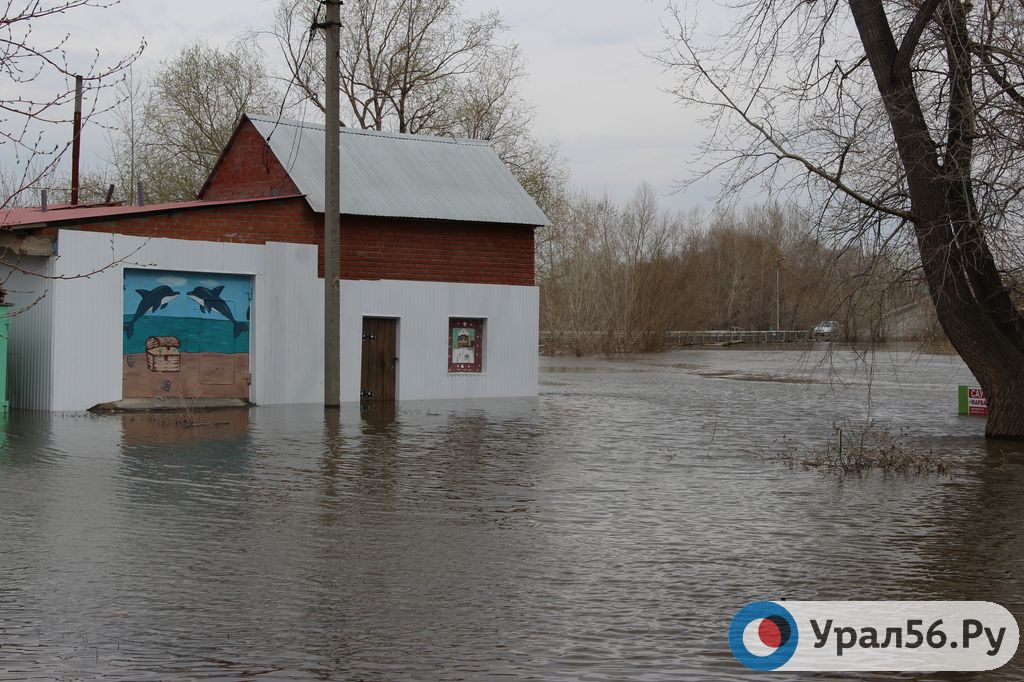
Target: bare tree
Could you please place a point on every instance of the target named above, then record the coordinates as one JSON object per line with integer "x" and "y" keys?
{"x": 37, "y": 89}
{"x": 420, "y": 66}
{"x": 402, "y": 61}
{"x": 572, "y": 274}
{"x": 616, "y": 277}
{"x": 125, "y": 139}
{"x": 605, "y": 273}
{"x": 899, "y": 119}
{"x": 171, "y": 134}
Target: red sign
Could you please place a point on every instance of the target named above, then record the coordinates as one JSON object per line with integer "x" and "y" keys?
{"x": 976, "y": 403}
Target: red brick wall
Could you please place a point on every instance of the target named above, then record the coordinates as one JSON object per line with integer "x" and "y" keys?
{"x": 372, "y": 248}
{"x": 249, "y": 169}
{"x": 436, "y": 251}
{"x": 287, "y": 220}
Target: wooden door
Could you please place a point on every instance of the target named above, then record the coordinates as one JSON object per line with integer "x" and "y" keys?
{"x": 380, "y": 360}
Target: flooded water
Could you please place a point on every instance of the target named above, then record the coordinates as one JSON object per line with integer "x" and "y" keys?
{"x": 607, "y": 530}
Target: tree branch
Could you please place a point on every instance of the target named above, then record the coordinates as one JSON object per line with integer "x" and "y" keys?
{"x": 901, "y": 64}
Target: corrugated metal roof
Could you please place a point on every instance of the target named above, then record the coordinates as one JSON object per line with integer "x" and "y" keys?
{"x": 34, "y": 216}
{"x": 403, "y": 176}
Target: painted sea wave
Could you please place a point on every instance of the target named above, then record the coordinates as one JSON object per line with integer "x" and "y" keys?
{"x": 196, "y": 335}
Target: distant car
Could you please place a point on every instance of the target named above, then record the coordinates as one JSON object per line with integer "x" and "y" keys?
{"x": 827, "y": 329}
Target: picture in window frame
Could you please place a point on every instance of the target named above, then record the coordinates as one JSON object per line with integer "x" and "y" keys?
{"x": 465, "y": 345}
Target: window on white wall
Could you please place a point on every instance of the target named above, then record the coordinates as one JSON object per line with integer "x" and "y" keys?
{"x": 466, "y": 345}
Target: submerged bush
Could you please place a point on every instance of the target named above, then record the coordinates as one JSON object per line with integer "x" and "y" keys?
{"x": 859, "y": 448}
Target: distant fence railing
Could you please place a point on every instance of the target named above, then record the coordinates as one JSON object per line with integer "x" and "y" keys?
{"x": 705, "y": 338}
{"x": 617, "y": 342}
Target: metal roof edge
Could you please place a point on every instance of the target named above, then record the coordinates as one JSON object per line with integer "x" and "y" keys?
{"x": 44, "y": 218}
{"x": 438, "y": 220}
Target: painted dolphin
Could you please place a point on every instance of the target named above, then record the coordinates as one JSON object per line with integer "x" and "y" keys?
{"x": 152, "y": 301}
{"x": 209, "y": 299}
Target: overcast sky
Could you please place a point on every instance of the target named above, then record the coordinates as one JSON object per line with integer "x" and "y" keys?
{"x": 596, "y": 95}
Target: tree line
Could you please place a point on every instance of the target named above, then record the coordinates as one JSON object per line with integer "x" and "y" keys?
{"x": 617, "y": 276}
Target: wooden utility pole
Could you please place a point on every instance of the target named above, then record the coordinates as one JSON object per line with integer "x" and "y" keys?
{"x": 332, "y": 210}
{"x": 76, "y": 140}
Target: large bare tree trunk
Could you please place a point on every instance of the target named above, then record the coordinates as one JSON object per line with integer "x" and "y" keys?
{"x": 972, "y": 303}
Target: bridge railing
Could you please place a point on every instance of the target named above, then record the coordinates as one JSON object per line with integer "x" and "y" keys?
{"x": 727, "y": 336}
{"x": 591, "y": 342}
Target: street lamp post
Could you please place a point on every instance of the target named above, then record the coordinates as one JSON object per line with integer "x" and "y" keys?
{"x": 777, "y": 295}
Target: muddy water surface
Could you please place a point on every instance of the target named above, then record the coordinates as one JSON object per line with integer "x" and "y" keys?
{"x": 606, "y": 530}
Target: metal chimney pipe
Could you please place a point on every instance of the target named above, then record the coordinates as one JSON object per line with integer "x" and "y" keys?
{"x": 76, "y": 141}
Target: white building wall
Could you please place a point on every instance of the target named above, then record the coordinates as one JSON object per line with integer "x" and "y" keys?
{"x": 87, "y": 318}
{"x": 288, "y": 322}
{"x": 89, "y": 311}
{"x": 30, "y": 348}
{"x": 423, "y": 308}
{"x": 68, "y": 348}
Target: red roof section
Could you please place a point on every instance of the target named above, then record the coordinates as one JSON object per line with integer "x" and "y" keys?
{"x": 26, "y": 218}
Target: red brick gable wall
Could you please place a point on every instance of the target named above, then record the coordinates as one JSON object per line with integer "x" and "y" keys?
{"x": 248, "y": 169}
{"x": 372, "y": 248}
{"x": 480, "y": 253}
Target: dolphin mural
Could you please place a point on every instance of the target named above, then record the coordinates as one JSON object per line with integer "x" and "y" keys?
{"x": 153, "y": 300}
{"x": 209, "y": 299}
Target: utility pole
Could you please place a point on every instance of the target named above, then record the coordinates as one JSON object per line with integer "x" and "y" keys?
{"x": 332, "y": 209}
{"x": 76, "y": 140}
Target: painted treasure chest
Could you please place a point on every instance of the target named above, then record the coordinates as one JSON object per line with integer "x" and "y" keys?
{"x": 163, "y": 354}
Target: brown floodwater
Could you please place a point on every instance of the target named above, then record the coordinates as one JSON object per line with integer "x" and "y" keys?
{"x": 606, "y": 530}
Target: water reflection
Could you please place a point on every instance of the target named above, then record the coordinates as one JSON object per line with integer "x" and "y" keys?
{"x": 397, "y": 538}
{"x": 979, "y": 551}
{"x": 377, "y": 445}
{"x": 4, "y": 450}
{"x": 183, "y": 462}
{"x": 148, "y": 429}
{"x": 378, "y": 415}
{"x": 607, "y": 530}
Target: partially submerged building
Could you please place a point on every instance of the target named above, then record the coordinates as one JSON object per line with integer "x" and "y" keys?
{"x": 223, "y": 296}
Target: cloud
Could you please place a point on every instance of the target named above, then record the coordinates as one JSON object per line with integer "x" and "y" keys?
{"x": 172, "y": 281}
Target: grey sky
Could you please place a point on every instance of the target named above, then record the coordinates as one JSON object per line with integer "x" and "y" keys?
{"x": 595, "y": 94}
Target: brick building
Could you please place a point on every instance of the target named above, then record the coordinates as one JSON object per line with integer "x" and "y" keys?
{"x": 220, "y": 297}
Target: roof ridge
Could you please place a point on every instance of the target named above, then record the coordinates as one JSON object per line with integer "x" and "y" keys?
{"x": 347, "y": 130}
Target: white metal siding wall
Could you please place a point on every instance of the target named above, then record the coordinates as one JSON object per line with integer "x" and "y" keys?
{"x": 88, "y": 315}
{"x": 423, "y": 309}
{"x": 30, "y": 351}
{"x": 81, "y": 321}
{"x": 289, "y": 327}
